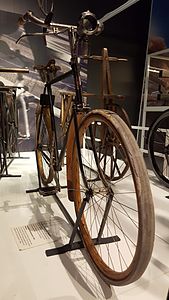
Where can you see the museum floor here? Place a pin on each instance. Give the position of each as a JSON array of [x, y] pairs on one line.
[[28, 274]]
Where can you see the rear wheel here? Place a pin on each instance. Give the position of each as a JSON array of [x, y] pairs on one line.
[[117, 224], [112, 171], [45, 145], [105, 147]]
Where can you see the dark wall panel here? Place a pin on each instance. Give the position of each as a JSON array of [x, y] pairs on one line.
[[125, 35]]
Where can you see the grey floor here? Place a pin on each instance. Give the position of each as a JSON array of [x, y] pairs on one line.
[[28, 274]]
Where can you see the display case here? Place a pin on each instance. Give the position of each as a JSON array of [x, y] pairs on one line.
[[155, 96]]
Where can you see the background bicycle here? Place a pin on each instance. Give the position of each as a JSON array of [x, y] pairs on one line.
[[8, 121], [158, 147]]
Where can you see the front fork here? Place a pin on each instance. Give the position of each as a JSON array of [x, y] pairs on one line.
[[89, 192]]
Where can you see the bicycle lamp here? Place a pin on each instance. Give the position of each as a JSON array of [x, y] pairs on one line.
[[88, 24]]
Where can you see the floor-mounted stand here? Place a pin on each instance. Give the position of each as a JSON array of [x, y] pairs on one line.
[[72, 245]]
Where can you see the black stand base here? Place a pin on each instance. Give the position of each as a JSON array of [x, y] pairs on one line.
[[8, 175], [4, 172], [80, 245], [44, 191], [72, 245]]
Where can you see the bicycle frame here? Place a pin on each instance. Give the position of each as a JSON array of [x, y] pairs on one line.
[[78, 35], [78, 104]]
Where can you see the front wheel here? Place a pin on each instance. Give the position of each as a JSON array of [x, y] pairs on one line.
[[117, 225]]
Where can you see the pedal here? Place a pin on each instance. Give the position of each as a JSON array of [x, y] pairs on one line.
[[47, 191]]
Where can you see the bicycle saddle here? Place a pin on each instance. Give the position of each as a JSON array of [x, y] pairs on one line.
[[47, 72]]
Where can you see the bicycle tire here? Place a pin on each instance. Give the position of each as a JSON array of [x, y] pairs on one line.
[[12, 137], [12, 127], [3, 150], [158, 147], [45, 145], [69, 161], [3, 133], [121, 262]]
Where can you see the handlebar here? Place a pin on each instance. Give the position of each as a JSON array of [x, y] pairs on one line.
[[14, 70], [30, 17], [7, 88], [87, 24]]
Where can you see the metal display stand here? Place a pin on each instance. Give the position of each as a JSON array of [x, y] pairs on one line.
[[72, 245]]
